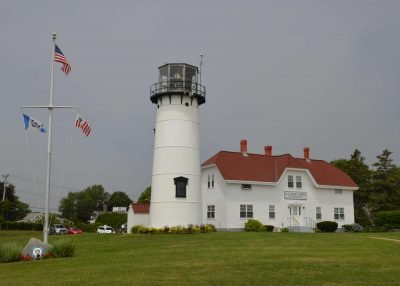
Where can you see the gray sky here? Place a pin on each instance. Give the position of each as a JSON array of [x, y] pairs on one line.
[[323, 74]]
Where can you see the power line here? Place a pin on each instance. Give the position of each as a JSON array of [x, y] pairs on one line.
[[42, 183]]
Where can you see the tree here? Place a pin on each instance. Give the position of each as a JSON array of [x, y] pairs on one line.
[[12, 208], [118, 199], [145, 196], [79, 206], [385, 193], [361, 175], [116, 220]]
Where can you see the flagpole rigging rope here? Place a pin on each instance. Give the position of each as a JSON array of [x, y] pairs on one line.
[[28, 146], [66, 159]]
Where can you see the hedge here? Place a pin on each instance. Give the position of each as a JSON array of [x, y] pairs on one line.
[[13, 225], [327, 226], [387, 219]]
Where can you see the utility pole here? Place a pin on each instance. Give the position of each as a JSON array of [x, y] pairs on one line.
[[5, 186]]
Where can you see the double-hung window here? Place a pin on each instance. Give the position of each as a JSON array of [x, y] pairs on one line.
[[210, 211], [290, 181], [298, 182], [210, 183], [271, 211], [339, 213], [246, 211], [318, 213]]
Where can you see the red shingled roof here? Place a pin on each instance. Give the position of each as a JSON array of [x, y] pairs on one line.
[[262, 168], [141, 208]]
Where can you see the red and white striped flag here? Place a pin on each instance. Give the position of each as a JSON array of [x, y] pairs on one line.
[[83, 124], [60, 58]]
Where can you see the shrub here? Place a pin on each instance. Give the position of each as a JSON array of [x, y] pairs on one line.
[[62, 248], [9, 252], [177, 229], [154, 230], [88, 227], [285, 229], [210, 228], [254, 225], [387, 219], [356, 227], [135, 228], [196, 229], [269, 228], [142, 229], [327, 226], [347, 227]]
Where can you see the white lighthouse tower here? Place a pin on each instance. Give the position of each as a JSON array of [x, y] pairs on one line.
[[176, 193]]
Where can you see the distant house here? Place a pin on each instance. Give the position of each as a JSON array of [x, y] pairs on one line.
[[32, 217], [138, 214], [119, 210], [281, 190]]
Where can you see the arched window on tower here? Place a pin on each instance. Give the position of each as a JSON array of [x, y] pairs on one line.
[[180, 187]]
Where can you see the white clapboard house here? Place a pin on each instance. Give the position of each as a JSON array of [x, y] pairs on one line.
[[279, 190]]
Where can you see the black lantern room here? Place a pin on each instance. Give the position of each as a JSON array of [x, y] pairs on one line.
[[178, 79]]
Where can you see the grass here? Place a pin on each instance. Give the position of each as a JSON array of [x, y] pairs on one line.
[[213, 259], [9, 252]]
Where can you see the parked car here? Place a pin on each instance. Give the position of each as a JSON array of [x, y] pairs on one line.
[[105, 229], [74, 230], [57, 229]]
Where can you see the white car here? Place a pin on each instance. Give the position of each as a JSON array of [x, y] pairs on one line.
[[105, 229]]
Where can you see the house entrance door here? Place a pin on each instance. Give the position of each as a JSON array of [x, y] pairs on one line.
[[296, 214]]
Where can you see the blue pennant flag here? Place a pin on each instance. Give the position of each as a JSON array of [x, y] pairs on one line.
[[32, 123]]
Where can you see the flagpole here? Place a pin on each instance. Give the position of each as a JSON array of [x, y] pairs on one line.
[[50, 107]]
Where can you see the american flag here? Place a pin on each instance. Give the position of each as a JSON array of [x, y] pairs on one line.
[[59, 57]]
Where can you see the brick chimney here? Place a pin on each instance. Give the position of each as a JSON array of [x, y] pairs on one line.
[[306, 153], [243, 147], [268, 150]]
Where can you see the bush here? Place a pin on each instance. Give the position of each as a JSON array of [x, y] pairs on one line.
[[269, 228], [387, 219], [135, 228], [88, 227], [327, 226], [285, 229], [9, 252], [62, 248], [254, 225], [179, 229], [347, 227], [355, 227], [142, 229], [211, 228]]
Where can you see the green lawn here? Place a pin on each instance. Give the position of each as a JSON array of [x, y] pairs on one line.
[[213, 259]]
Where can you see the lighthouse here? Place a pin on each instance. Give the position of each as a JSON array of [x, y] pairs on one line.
[[176, 193]]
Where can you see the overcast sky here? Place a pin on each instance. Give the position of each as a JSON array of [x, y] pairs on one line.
[[323, 74]]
